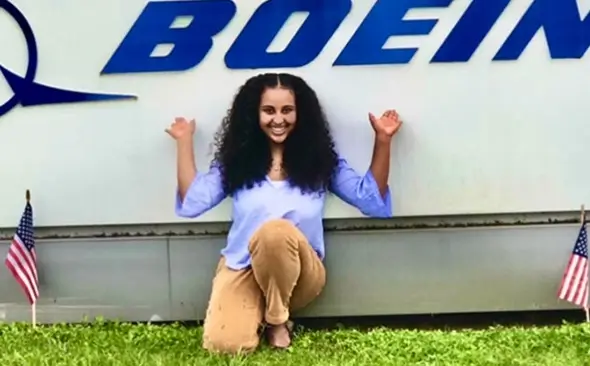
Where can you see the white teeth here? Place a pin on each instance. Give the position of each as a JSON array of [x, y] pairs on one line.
[[278, 130]]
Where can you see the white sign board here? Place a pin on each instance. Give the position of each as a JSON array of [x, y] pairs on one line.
[[493, 95]]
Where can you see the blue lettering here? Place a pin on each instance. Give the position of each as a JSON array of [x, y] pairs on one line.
[[567, 35], [470, 31], [385, 20], [154, 27], [249, 50]]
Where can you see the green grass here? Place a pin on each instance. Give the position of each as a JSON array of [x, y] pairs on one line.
[[137, 345]]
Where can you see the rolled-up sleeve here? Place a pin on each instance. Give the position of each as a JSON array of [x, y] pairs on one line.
[[204, 193], [361, 192]]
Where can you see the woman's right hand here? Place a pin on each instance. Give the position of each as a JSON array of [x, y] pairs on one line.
[[181, 129]]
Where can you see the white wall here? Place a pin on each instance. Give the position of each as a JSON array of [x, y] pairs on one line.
[[479, 137]]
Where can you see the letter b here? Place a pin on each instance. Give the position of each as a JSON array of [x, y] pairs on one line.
[[154, 27]]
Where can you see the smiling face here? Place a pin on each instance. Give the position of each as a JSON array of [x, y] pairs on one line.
[[278, 114]]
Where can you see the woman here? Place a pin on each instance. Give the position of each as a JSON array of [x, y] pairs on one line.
[[276, 158]]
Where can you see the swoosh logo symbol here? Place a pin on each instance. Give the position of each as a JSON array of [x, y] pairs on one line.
[[26, 91]]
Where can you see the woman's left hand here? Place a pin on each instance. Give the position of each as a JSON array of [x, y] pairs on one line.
[[387, 125]]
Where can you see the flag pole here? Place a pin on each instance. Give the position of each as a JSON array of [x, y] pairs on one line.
[[34, 304], [586, 309]]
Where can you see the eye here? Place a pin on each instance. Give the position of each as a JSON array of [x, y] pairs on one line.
[[288, 109], [268, 110]]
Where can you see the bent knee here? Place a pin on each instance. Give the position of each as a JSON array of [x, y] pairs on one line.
[[276, 233]]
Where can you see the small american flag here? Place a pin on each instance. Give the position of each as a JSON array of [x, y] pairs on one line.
[[21, 259], [574, 285]]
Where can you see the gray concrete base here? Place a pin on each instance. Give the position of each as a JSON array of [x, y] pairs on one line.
[[369, 273]]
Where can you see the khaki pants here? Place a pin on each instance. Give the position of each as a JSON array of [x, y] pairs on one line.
[[286, 275]]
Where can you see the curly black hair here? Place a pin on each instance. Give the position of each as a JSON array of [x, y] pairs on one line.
[[242, 149]]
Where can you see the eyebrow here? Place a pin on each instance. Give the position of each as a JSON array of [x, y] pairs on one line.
[[272, 106]]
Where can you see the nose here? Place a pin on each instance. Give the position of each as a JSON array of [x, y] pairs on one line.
[[279, 119]]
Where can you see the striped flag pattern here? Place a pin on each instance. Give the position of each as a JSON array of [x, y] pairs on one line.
[[574, 285], [21, 259]]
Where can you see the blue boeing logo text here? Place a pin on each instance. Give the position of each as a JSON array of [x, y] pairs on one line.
[[26, 91], [566, 34]]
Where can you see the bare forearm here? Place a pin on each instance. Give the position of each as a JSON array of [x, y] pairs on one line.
[[185, 165], [380, 163]]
